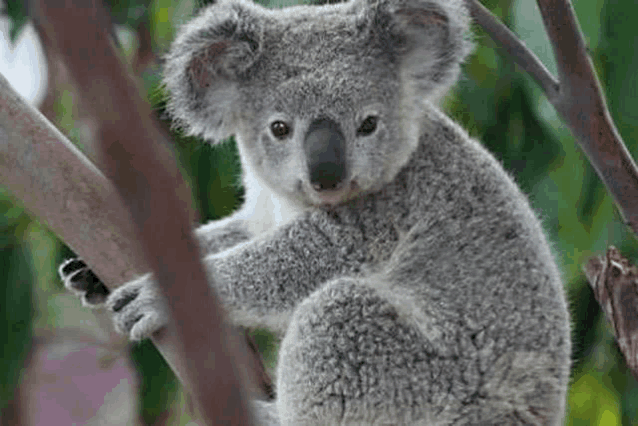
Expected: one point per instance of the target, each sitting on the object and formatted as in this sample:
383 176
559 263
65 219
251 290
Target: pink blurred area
72 383
78 373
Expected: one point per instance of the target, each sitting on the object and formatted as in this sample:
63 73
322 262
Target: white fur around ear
210 56
430 39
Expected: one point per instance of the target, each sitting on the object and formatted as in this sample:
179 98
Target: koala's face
324 101
324 133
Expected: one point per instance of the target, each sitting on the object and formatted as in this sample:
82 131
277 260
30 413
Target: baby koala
405 272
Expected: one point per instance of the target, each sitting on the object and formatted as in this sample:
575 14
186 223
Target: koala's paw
78 278
137 309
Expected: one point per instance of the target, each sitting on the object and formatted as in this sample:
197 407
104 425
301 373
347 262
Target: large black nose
325 150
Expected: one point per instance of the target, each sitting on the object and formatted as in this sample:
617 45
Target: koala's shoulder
451 171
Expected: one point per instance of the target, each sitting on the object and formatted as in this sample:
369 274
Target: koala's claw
78 278
120 303
137 309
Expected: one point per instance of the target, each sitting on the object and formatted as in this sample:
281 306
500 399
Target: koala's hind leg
348 358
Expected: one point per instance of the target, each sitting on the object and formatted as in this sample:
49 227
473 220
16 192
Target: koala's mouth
332 197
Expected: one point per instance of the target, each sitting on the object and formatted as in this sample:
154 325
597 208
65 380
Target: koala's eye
368 126
279 129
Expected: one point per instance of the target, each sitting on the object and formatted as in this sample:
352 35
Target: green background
495 101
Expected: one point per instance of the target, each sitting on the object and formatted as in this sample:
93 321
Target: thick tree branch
577 97
57 184
60 186
137 159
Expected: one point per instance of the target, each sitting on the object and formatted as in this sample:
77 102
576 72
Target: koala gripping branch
146 177
61 187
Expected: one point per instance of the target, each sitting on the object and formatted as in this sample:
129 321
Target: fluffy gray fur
420 292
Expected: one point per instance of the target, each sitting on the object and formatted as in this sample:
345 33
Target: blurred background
61 364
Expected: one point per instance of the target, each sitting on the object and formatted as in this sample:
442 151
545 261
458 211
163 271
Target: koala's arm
269 276
260 281
213 237
220 235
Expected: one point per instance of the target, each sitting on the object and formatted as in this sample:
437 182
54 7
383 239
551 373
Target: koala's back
477 278
459 263
479 329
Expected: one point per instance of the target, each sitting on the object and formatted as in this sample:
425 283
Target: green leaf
16 10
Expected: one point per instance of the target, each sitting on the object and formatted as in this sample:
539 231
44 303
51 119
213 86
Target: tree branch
61 187
144 173
613 279
577 97
515 47
58 185
579 100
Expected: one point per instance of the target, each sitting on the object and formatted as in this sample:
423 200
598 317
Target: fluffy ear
429 38
211 55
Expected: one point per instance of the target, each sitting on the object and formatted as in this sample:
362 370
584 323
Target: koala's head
325 101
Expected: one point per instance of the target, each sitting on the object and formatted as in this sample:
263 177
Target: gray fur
422 291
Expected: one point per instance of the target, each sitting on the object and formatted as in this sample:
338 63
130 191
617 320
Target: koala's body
407 275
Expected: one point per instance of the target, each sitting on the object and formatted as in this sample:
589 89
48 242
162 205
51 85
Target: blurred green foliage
16 306
17 13
496 102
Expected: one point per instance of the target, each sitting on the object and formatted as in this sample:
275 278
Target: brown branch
579 100
144 172
515 47
577 97
614 281
61 187
144 55
57 184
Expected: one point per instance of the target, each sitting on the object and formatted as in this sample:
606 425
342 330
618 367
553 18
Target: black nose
325 150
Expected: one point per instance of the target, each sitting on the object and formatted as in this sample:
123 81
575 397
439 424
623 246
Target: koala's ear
429 38
211 55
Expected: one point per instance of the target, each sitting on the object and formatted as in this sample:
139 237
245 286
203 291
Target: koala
407 276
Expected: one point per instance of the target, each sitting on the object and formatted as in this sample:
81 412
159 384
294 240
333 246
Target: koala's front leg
78 278
138 308
259 282
213 237
219 235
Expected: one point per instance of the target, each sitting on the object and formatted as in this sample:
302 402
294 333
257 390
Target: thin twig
577 97
515 47
583 107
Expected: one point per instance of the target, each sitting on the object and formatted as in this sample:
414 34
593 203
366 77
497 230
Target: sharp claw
125 300
95 298
79 280
71 265
101 289
78 276
128 325
97 293
92 279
